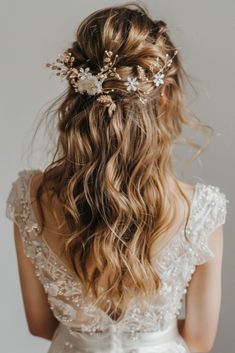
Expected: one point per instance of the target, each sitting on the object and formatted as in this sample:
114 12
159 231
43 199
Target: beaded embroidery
175 263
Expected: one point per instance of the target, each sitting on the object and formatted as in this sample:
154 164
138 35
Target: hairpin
107 101
84 81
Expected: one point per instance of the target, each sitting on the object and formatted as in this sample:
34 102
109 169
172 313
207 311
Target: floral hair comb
84 81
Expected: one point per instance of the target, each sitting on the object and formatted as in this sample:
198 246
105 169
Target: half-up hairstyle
111 175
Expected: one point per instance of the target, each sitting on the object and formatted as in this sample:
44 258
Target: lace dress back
147 326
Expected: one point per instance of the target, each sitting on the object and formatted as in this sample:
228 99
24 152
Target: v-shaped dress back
147 326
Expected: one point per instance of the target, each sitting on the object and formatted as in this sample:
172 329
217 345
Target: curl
114 178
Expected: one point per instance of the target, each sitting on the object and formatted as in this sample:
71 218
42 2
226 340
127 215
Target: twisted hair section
111 175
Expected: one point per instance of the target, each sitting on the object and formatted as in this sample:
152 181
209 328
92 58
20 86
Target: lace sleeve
14 204
17 204
214 209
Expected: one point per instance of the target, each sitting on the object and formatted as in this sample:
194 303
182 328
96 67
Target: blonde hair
111 176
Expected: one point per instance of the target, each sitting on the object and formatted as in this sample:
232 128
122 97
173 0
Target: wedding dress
147 326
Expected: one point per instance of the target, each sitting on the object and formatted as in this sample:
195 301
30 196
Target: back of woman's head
111 172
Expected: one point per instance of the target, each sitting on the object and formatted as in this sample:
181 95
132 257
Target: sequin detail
175 264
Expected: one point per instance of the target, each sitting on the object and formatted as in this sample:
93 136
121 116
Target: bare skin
199 327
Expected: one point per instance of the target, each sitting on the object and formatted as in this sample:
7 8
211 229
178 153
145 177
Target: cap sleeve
14 203
210 212
17 203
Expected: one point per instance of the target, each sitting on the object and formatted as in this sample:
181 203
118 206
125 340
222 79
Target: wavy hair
111 175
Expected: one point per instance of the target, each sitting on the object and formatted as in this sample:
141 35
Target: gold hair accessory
84 81
107 101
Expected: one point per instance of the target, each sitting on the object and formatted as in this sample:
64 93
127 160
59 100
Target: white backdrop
34 32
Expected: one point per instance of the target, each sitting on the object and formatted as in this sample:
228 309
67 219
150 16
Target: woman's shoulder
209 210
18 189
17 202
205 192
188 189
208 205
24 175
208 213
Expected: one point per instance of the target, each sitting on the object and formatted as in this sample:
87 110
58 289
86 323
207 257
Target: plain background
34 32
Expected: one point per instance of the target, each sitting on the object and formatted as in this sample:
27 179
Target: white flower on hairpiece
91 85
158 79
131 83
83 80
84 74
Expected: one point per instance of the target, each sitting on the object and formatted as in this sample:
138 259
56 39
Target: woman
108 240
